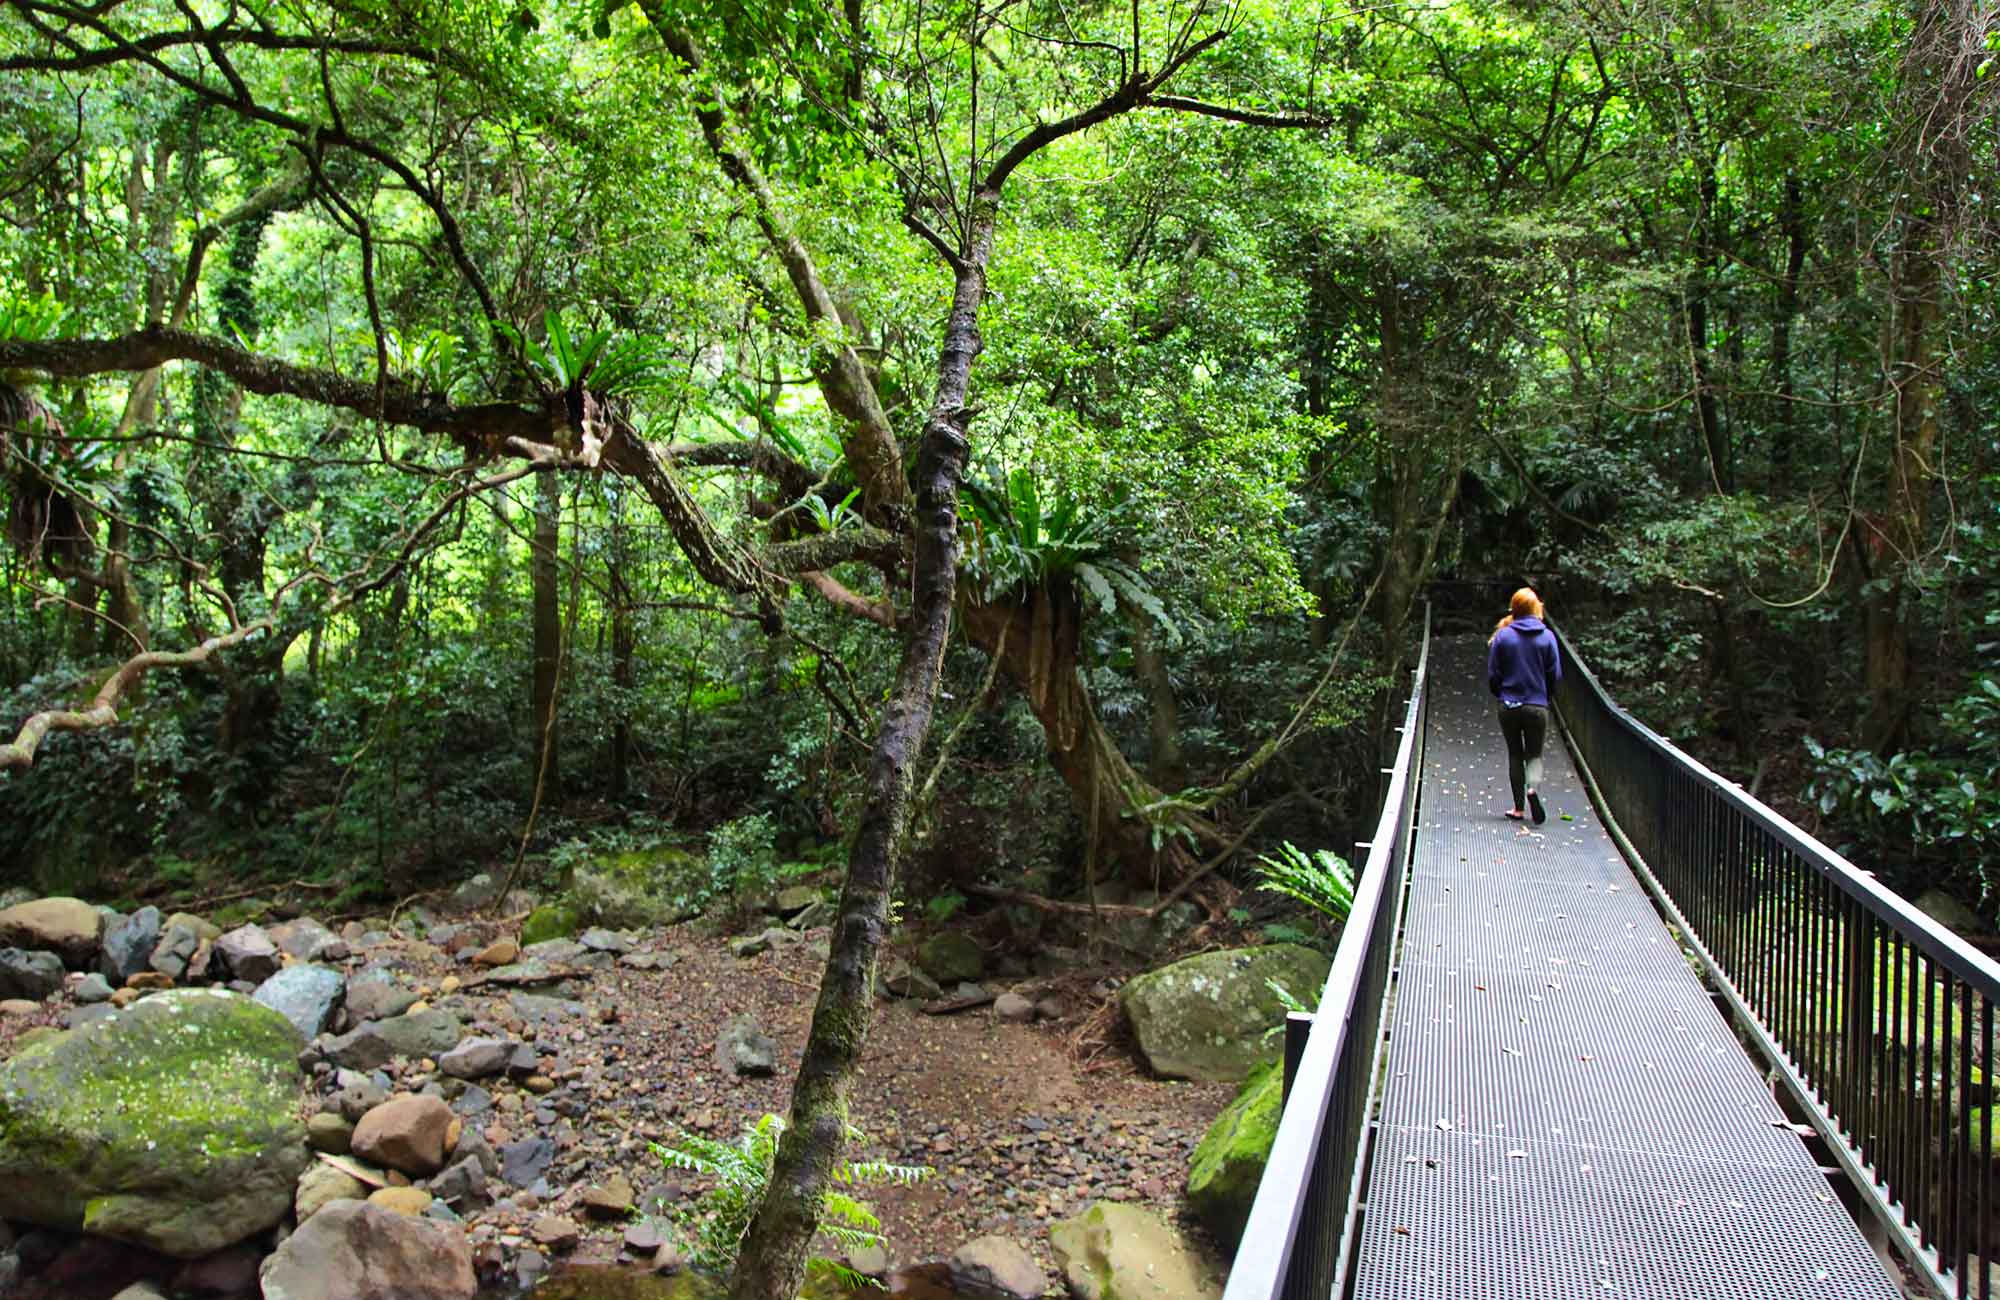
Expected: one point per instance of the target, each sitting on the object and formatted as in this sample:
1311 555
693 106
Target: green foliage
30 319
596 359
741 1171
1021 538
1321 880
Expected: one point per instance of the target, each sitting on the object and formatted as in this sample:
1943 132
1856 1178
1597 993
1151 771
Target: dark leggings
1525 728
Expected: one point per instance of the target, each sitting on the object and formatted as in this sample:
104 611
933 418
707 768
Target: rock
307 940
77 1017
900 979
598 939
1014 1009
480 891
750 945
406 1133
1122 1252
539 1084
141 1291
951 957
472 1146
820 913
203 930
476 1058
501 952
997 1269
555 921
357 1098
403 1200
149 980
555 1233
1208 1017
304 994
331 1132
29 975
128 944
20 1007
67 927
1223 1176
122 998
463 1184
171 1125
231 1272
416 1035
376 994
170 956
1952 914
794 899
643 1238
1049 1008
248 953
869 1260
612 1199
521 1163
356 1251
633 890
561 952
744 1049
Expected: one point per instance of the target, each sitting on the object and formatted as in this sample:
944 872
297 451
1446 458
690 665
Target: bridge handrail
1298 1240
1880 1020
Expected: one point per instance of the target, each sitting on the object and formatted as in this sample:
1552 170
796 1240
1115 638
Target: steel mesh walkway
1564 1112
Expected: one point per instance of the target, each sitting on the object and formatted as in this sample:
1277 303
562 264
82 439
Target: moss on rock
550 921
1211 1015
170 1124
1223 1176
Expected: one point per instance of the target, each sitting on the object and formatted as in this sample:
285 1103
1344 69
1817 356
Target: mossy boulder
1114 1251
1227 1166
1210 1016
952 957
171 1124
551 921
636 888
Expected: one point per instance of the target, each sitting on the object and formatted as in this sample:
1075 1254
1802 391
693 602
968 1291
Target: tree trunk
1784 434
1039 655
773 1259
545 768
1163 715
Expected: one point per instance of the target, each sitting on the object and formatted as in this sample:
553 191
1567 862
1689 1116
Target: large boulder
994 1268
1114 1251
555 921
1223 1176
30 975
304 994
67 927
952 957
635 889
172 1124
418 1034
352 1250
128 944
1210 1016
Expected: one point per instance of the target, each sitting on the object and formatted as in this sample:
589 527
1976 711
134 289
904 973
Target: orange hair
1524 604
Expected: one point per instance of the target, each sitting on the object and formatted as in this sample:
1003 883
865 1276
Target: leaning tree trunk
1037 636
545 764
772 1262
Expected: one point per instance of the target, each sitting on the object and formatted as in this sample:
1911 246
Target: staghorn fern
742 1170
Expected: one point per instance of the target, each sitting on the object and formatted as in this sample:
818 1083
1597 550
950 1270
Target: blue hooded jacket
1522 664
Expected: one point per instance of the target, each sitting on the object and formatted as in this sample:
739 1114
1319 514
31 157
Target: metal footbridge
1664 1046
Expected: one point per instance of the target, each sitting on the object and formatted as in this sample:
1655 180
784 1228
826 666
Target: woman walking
1521 667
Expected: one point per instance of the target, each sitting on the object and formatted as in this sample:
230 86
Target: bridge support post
1298 1025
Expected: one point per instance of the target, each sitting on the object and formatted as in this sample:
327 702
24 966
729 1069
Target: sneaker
1513 814
1535 807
